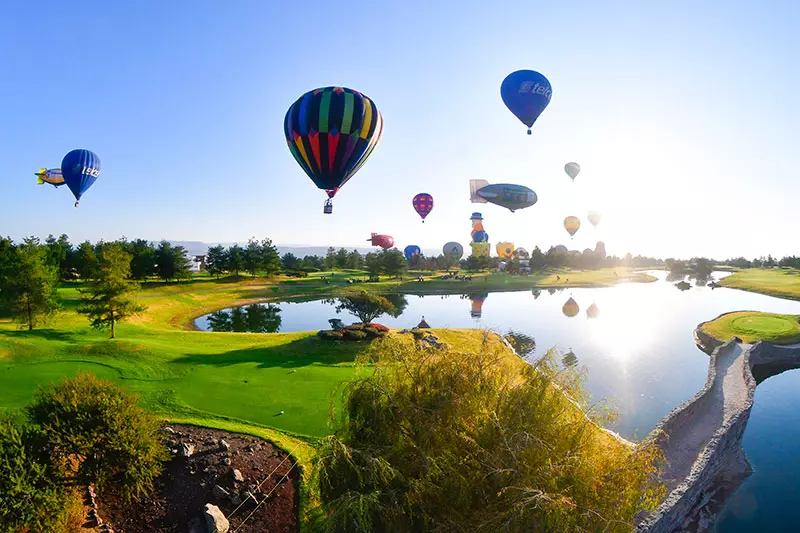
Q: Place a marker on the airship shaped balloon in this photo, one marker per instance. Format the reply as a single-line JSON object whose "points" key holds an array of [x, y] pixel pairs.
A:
{"points": [[423, 205], [331, 133], [411, 250], [53, 176], [507, 195], [80, 169], [572, 170], [454, 249], [526, 94], [384, 241]]}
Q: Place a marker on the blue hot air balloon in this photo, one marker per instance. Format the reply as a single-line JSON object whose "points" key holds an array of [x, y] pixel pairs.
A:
{"points": [[80, 169], [526, 93], [411, 250]]}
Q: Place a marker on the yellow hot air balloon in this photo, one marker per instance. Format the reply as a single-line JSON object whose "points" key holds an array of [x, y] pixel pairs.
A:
{"points": [[505, 250], [572, 224], [570, 308]]}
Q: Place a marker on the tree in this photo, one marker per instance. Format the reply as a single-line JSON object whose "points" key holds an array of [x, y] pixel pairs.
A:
{"points": [[235, 256], [342, 258], [32, 287], [355, 260], [8, 265], [373, 264], [270, 260], [471, 263], [394, 262], [290, 262], [99, 435], [216, 260], [330, 259], [313, 263], [253, 256], [85, 260], [109, 299], [171, 262], [59, 252], [143, 262], [364, 306]]}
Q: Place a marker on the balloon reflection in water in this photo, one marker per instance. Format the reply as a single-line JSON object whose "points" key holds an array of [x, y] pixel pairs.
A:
{"points": [[570, 308], [477, 304], [593, 311]]}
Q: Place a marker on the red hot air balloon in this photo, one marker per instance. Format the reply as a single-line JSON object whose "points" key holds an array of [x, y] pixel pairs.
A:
{"points": [[384, 241], [423, 204]]}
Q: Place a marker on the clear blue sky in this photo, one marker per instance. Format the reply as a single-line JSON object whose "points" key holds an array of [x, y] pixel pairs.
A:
{"points": [[682, 114]]}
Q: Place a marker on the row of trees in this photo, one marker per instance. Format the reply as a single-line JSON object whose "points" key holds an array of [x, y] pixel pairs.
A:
{"points": [[763, 262]]}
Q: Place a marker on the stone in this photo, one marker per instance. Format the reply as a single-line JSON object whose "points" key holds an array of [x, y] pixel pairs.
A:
{"points": [[236, 499], [224, 445], [237, 476], [221, 493], [186, 449], [215, 520], [227, 461], [168, 429]]}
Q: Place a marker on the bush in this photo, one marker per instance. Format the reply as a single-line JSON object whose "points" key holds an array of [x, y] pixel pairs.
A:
{"points": [[379, 327], [30, 496], [418, 334], [329, 335], [354, 335], [111, 441], [355, 327]]}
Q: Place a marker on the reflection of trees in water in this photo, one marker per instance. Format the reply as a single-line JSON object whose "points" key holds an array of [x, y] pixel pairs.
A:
{"points": [[253, 318], [522, 343], [569, 359]]}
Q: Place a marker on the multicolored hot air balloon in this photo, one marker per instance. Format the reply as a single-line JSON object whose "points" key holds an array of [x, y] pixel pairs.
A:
{"points": [[572, 224], [505, 250], [521, 254], [595, 217], [384, 241], [572, 170], [507, 195], [480, 239], [80, 169], [526, 93], [423, 205], [411, 250], [331, 132], [477, 304], [570, 308], [454, 249], [593, 311], [53, 176]]}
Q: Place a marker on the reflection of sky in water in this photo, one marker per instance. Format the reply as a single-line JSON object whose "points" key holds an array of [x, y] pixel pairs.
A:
{"points": [[639, 350]]}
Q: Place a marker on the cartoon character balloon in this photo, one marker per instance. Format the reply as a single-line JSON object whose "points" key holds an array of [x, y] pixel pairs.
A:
{"points": [[570, 308], [331, 133], [80, 169], [53, 176], [505, 250], [572, 224], [411, 250], [526, 94], [454, 249], [477, 304], [480, 239], [595, 217], [423, 205], [572, 170]]}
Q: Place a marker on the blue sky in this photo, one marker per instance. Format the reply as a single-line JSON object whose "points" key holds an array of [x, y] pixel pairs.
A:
{"points": [[683, 116]]}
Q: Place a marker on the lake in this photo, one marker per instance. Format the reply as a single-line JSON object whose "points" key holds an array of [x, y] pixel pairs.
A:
{"points": [[637, 347]]}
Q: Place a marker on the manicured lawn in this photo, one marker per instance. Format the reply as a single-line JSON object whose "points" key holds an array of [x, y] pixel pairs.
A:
{"points": [[752, 326], [780, 282]]}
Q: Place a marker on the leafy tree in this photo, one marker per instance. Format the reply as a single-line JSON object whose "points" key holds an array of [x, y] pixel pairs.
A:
{"points": [[330, 259], [143, 261], [8, 266], [703, 267], [216, 260], [394, 262], [365, 306], [471, 263], [235, 256], [453, 440], [171, 262], [342, 258], [290, 262], [100, 436], [313, 263], [537, 260], [109, 299], [253, 256], [59, 252], [373, 264], [32, 287], [355, 260], [522, 343], [85, 260], [30, 497], [270, 260]]}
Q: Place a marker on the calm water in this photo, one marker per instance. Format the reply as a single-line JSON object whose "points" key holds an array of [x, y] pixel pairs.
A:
{"points": [[640, 356]]}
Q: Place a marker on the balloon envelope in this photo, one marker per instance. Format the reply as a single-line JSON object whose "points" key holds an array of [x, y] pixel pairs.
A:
{"points": [[384, 241], [572, 170], [570, 308], [508, 195], [526, 94], [505, 250], [561, 249], [593, 311], [411, 250], [423, 204], [595, 217], [331, 132], [53, 176], [80, 169], [454, 249], [572, 224]]}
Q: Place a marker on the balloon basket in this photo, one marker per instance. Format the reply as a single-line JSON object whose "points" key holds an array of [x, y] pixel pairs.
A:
{"points": [[328, 208], [529, 131]]}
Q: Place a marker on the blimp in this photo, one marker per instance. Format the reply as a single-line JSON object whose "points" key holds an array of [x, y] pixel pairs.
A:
{"points": [[507, 195]]}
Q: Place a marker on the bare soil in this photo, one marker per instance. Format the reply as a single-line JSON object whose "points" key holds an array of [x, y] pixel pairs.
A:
{"points": [[188, 483]]}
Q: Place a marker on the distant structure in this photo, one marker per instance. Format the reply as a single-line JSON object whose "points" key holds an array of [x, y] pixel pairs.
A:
{"points": [[197, 263], [480, 239]]}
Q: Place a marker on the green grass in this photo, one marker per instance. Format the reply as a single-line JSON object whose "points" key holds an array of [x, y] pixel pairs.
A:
{"points": [[752, 326], [780, 282]]}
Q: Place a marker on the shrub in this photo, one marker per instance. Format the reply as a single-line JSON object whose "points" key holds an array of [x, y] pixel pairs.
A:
{"points": [[98, 426], [418, 334], [354, 335], [358, 326], [371, 332], [379, 327], [329, 335], [30, 496]]}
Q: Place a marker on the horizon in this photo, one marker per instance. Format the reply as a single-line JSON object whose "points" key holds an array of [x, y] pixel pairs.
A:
{"points": [[185, 110]]}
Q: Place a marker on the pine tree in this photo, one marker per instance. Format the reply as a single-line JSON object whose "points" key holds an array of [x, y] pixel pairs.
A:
{"points": [[32, 285], [253, 256], [109, 298], [216, 260], [270, 260]]}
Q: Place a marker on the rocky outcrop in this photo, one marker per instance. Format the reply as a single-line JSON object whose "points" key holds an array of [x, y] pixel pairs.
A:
{"points": [[702, 439], [215, 520]]}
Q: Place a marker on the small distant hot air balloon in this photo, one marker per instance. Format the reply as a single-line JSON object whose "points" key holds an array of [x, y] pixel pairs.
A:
{"points": [[572, 224], [522, 254], [570, 308], [593, 311], [595, 217], [53, 176], [507, 195], [423, 205], [572, 170], [454, 249], [80, 169], [505, 250], [526, 93], [561, 249], [384, 241], [331, 132], [411, 250]]}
